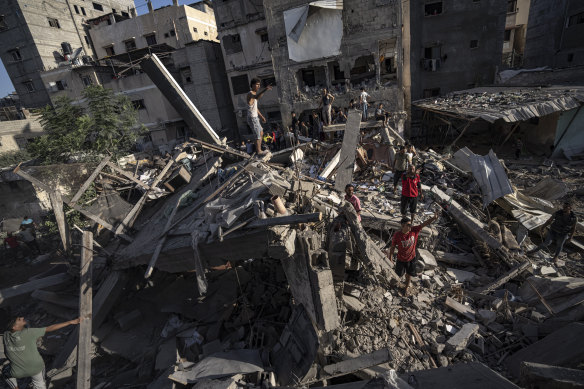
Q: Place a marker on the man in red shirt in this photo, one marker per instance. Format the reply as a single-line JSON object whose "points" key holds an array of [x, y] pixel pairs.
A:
{"points": [[411, 188], [354, 200], [405, 240]]}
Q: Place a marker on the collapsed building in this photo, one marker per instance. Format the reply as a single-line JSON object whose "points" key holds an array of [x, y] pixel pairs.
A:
{"points": [[214, 268]]}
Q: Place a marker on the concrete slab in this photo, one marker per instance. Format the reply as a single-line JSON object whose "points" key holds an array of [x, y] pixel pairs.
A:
{"points": [[561, 348], [473, 375], [428, 259], [346, 165], [537, 375], [461, 339]]}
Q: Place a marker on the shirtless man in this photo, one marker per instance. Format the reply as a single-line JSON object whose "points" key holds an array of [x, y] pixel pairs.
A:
{"points": [[253, 113]]}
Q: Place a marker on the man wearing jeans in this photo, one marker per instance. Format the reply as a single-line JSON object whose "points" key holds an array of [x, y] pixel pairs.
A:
{"points": [[563, 227], [21, 350], [363, 101]]}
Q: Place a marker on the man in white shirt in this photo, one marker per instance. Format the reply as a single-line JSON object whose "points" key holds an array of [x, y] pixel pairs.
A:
{"points": [[363, 101]]}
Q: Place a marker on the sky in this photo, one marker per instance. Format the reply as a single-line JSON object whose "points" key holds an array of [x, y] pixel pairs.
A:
{"points": [[6, 86]]}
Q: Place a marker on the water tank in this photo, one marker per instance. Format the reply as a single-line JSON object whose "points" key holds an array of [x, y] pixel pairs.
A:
{"points": [[66, 46]]}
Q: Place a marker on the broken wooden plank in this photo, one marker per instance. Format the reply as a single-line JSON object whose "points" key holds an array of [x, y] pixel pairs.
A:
{"points": [[57, 204], [85, 310], [128, 175], [505, 277], [345, 169], [326, 172], [54, 298], [31, 286], [421, 343], [100, 221], [89, 180], [361, 362], [131, 216], [221, 148], [287, 220], [465, 311]]}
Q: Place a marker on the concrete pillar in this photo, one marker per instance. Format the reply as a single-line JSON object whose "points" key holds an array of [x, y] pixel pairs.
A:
{"points": [[150, 8], [406, 75]]}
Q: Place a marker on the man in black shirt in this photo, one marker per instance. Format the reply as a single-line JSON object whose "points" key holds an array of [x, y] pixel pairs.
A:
{"points": [[563, 226]]}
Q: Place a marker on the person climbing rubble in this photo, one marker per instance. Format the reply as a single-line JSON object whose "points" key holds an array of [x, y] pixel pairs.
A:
{"points": [[354, 200], [20, 345], [405, 240], [563, 226], [411, 189]]}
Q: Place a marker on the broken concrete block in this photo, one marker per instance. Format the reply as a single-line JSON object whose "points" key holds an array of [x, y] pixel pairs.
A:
{"points": [[325, 301], [427, 258], [461, 339], [547, 271], [353, 303], [486, 316]]}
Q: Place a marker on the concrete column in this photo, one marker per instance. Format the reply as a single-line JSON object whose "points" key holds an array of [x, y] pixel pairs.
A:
{"points": [[406, 75]]}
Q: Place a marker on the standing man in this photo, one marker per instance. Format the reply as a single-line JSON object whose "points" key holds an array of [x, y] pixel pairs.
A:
{"points": [[29, 240], [316, 126], [253, 113], [405, 240], [563, 228], [411, 189], [20, 347], [295, 123], [28, 223], [354, 200], [363, 101], [400, 164], [326, 102]]}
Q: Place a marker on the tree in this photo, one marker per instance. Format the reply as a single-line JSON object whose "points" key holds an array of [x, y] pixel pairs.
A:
{"points": [[108, 124]]}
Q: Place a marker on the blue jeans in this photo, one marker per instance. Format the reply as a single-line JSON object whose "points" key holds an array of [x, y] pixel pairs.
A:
{"points": [[364, 111], [554, 236]]}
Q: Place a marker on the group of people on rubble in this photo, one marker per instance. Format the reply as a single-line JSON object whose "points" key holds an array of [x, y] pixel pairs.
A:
{"points": [[27, 235], [277, 137], [403, 243]]}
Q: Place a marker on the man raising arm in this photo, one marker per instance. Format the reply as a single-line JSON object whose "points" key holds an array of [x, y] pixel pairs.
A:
{"points": [[254, 114]]}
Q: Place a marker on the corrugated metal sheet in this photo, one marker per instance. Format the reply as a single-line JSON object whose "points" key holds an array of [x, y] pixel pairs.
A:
{"points": [[491, 176]]}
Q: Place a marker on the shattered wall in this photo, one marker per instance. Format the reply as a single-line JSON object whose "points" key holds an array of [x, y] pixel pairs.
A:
{"points": [[370, 44], [456, 45]]}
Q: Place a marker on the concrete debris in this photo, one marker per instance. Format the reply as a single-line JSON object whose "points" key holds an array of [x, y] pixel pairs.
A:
{"points": [[240, 270]]}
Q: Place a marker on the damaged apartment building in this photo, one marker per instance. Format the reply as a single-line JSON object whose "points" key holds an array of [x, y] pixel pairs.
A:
{"points": [[185, 38], [300, 47]]}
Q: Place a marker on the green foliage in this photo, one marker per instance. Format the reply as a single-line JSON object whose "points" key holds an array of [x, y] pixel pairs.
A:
{"points": [[107, 125], [10, 158]]}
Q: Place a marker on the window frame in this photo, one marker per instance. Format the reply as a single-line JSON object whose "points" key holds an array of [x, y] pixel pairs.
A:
{"points": [[471, 44], [29, 86], [151, 35], [426, 14], [138, 104], [97, 6], [128, 41], [18, 56], [107, 50], [53, 22]]}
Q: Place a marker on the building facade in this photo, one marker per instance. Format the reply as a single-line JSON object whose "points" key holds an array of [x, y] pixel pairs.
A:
{"points": [[554, 34], [32, 33], [171, 25], [455, 45], [243, 34], [343, 46], [515, 31]]}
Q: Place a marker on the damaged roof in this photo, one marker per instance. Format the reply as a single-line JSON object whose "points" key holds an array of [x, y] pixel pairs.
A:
{"points": [[511, 104]]}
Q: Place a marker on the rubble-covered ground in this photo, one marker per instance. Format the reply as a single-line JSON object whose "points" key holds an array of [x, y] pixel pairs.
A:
{"points": [[217, 286]]}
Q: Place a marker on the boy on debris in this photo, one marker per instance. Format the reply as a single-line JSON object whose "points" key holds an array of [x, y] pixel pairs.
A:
{"points": [[400, 163], [405, 240], [20, 347], [411, 189], [354, 200], [563, 228]]}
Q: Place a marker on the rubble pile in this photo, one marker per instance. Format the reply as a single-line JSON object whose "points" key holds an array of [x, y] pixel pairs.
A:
{"points": [[227, 270]]}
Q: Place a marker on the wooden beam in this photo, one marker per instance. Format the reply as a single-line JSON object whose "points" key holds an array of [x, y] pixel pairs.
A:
{"points": [[516, 126], [31, 286], [57, 204], [99, 220], [287, 220], [128, 175], [221, 149], [422, 344], [85, 312], [505, 277], [89, 180], [32, 180]]}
